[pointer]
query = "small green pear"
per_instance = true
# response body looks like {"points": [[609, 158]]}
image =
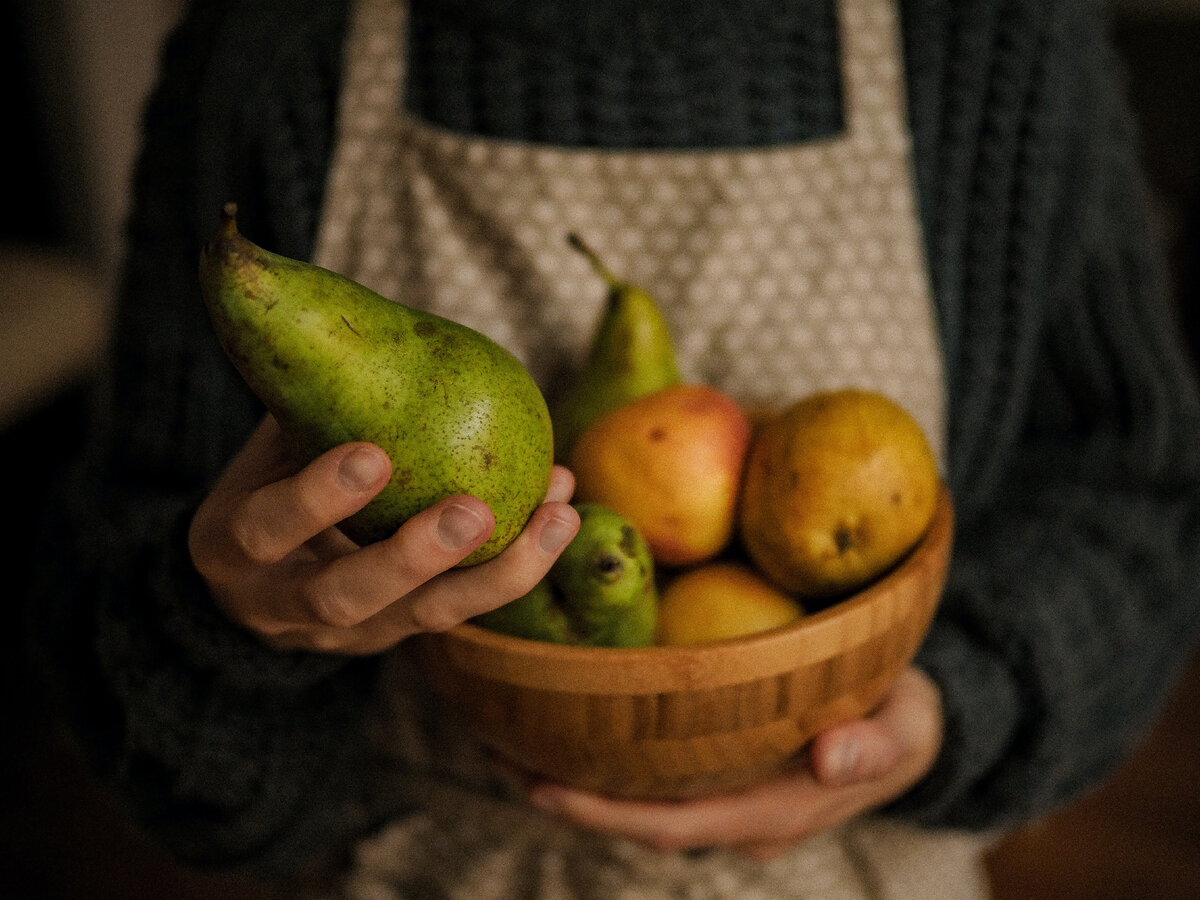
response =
{"points": [[536, 616], [335, 362], [605, 581], [631, 354], [600, 592]]}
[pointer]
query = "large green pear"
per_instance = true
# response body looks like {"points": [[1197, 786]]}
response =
{"points": [[631, 354], [335, 362]]}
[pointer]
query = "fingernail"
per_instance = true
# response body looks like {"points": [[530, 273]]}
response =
{"points": [[556, 534], [459, 526], [842, 760], [360, 469]]}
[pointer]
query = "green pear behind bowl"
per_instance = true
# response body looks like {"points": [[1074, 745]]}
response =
{"points": [[535, 616], [335, 362], [631, 354]]}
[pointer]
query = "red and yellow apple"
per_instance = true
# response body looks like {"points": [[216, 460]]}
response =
{"points": [[671, 462]]}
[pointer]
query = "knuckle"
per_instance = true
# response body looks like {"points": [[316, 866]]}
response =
{"points": [[510, 576], [251, 539], [432, 617], [311, 502], [516, 585], [404, 569], [328, 606], [406, 564], [241, 609]]}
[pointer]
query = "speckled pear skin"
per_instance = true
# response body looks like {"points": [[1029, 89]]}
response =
{"points": [[335, 362]]}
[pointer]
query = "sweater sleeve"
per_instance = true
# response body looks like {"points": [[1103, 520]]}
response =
{"points": [[235, 755], [1071, 600]]}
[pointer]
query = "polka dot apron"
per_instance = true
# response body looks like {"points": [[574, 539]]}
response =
{"points": [[781, 271]]}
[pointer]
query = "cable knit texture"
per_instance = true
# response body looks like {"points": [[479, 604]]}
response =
{"points": [[1073, 417]]}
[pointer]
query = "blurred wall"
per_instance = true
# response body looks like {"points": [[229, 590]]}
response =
{"points": [[91, 63], [81, 69]]}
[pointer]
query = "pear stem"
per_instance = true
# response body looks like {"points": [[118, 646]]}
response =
{"points": [[229, 219], [579, 244]]}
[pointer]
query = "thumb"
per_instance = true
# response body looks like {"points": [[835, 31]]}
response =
{"points": [[853, 753], [905, 728]]}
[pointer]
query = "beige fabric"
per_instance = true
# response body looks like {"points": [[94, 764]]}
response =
{"points": [[781, 271], [451, 851], [466, 839]]}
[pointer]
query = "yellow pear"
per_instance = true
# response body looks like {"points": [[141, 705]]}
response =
{"points": [[720, 600], [837, 489]]}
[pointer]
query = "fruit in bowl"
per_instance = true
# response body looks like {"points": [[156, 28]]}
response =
{"points": [[741, 675], [723, 700], [673, 722]]}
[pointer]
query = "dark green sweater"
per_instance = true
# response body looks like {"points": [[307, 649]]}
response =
{"points": [[1073, 421]]}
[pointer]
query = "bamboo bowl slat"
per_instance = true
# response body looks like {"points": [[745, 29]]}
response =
{"points": [[677, 722]]}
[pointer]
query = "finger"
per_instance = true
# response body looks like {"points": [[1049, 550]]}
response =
{"points": [[562, 485], [463, 593], [357, 586], [275, 519], [453, 596], [902, 735], [897, 745], [443, 598], [850, 754], [739, 819]]}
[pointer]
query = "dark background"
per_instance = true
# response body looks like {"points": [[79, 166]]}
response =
{"points": [[62, 836]]}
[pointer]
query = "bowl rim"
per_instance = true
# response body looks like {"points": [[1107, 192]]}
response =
{"points": [[855, 619]]}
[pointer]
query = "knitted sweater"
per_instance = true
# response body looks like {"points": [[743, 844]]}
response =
{"points": [[1073, 419]]}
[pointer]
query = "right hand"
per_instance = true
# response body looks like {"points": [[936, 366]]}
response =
{"points": [[266, 542]]}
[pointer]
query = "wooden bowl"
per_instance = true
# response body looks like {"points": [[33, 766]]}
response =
{"points": [[678, 722]]}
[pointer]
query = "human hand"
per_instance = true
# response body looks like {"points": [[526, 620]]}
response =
{"points": [[851, 769], [265, 540]]}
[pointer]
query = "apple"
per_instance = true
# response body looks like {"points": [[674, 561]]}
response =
{"points": [[671, 462]]}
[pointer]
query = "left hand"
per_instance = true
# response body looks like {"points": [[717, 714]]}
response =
{"points": [[851, 769]]}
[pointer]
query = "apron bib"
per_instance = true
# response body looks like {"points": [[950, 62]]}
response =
{"points": [[781, 271]]}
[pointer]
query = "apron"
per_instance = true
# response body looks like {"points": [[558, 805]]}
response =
{"points": [[781, 271]]}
